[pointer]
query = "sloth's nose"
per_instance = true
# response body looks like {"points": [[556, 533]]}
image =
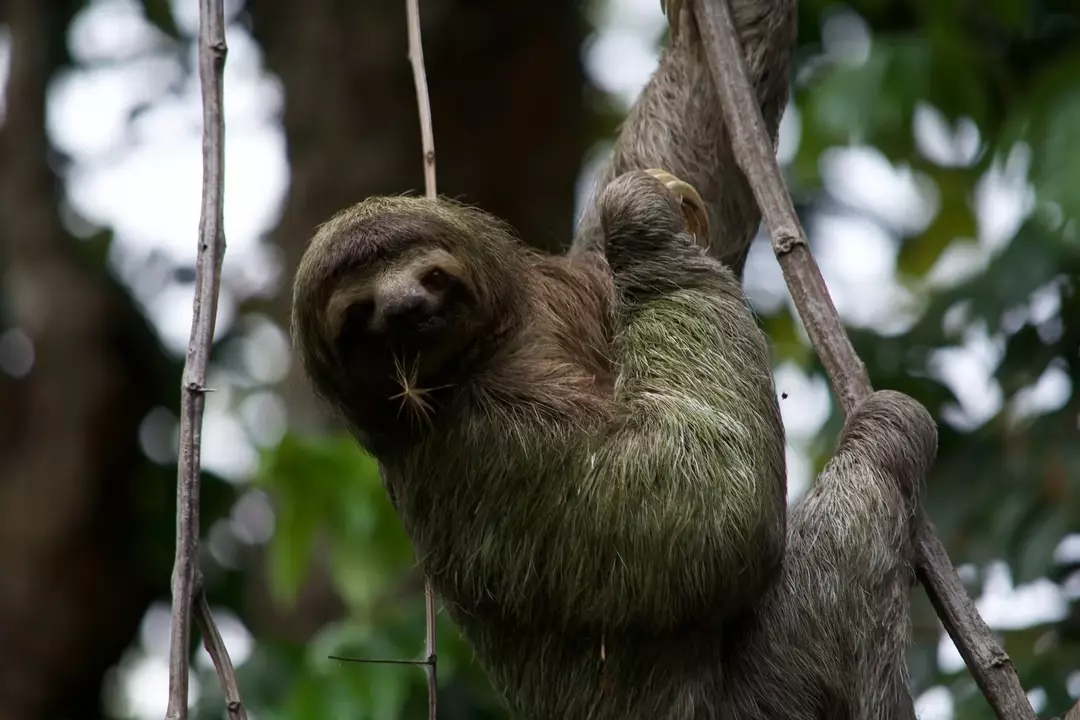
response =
{"points": [[403, 310]]}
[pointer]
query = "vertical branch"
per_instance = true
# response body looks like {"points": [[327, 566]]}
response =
{"points": [[429, 649], [988, 662], [423, 102], [187, 579], [427, 136]]}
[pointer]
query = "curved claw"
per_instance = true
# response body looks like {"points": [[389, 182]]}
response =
{"points": [[672, 9], [693, 207]]}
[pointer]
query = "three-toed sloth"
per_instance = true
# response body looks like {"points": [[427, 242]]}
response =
{"points": [[587, 450]]}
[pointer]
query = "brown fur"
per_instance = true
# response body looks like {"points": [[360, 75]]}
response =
{"points": [[598, 488], [536, 322], [677, 124], [483, 492], [578, 481]]}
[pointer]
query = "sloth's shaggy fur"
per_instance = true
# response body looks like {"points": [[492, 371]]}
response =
{"points": [[596, 482], [599, 493]]}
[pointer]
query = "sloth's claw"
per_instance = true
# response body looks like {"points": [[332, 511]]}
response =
{"points": [[671, 9], [693, 207]]}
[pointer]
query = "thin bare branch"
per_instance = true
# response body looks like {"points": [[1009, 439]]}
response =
{"points": [[991, 667], [211, 250], [215, 647], [431, 658], [427, 136], [423, 101]]}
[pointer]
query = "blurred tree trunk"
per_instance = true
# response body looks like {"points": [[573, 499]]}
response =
{"points": [[507, 93], [71, 595]]}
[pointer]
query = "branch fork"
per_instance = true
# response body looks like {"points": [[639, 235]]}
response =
{"points": [[188, 594]]}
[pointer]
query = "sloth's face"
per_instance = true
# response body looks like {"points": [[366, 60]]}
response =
{"points": [[406, 312]]}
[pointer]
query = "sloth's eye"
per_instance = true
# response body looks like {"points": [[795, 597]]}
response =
{"points": [[437, 280], [358, 317]]}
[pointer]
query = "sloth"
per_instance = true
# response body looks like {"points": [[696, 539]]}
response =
{"points": [[587, 451], [629, 377]]}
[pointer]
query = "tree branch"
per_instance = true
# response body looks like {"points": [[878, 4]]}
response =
{"points": [[990, 666], [423, 101], [215, 647], [186, 580], [427, 135]]}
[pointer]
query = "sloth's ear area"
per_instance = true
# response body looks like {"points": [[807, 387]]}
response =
{"points": [[693, 207]]}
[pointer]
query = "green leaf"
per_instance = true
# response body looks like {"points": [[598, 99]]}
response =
{"points": [[1036, 537], [785, 340], [160, 14], [1026, 359], [873, 101], [290, 549], [954, 221], [328, 487]]}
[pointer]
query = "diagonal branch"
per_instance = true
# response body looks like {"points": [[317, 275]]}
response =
{"points": [[427, 135], [990, 666], [215, 648], [186, 580]]}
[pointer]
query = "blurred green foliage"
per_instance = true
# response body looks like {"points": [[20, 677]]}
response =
{"points": [[327, 489]]}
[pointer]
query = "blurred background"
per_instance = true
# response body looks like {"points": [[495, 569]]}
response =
{"points": [[933, 150]]}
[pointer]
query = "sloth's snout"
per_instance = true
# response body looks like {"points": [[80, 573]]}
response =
{"points": [[406, 310]]}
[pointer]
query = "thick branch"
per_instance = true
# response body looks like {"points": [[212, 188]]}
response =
{"points": [[991, 667], [210, 253], [989, 664], [427, 134]]}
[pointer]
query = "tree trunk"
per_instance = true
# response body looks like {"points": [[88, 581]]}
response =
{"points": [[71, 594]]}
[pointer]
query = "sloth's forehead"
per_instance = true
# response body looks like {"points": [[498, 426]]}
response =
{"points": [[368, 249], [405, 258], [357, 280]]}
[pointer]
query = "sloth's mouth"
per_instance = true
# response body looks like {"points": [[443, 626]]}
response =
{"points": [[422, 335], [433, 324]]}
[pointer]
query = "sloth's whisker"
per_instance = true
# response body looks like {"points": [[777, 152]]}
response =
{"points": [[413, 397]]}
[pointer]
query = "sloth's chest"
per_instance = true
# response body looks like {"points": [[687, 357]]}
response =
{"points": [[495, 465]]}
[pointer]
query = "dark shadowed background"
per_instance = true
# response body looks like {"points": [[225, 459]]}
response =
{"points": [[933, 150]]}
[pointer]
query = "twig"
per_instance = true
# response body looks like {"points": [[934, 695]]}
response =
{"points": [[427, 136], [990, 666], [423, 102], [430, 667], [211, 250], [215, 647], [377, 661]]}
